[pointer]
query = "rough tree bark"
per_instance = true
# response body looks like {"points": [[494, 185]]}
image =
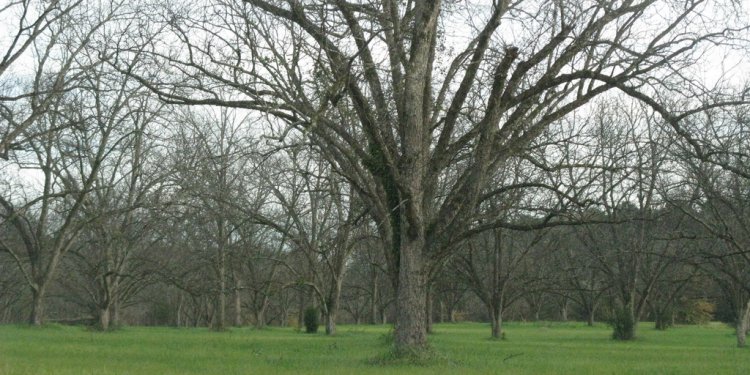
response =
{"points": [[410, 332]]}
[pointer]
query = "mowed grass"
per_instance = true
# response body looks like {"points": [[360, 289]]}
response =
{"points": [[530, 348]]}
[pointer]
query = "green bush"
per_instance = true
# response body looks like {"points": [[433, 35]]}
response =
{"points": [[623, 325], [312, 320]]}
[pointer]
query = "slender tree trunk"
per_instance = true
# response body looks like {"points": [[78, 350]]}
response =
{"points": [[221, 303], [301, 309], [441, 312], [209, 311], [410, 330], [428, 310], [260, 314], [564, 311], [284, 311], [178, 319], [375, 318], [237, 304]]}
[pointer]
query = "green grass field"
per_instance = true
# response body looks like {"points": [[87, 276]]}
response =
{"points": [[531, 348]]}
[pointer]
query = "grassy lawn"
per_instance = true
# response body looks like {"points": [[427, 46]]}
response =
{"points": [[531, 348]]}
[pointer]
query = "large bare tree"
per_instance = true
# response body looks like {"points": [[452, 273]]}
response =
{"points": [[415, 114]]}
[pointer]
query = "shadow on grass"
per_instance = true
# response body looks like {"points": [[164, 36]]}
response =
{"points": [[427, 357]]}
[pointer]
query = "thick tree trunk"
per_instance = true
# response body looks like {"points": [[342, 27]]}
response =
{"points": [[220, 313], [260, 319], [662, 318], [564, 311], [36, 317], [260, 314], [743, 324], [590, 316], [625, 322], [115, 312], [104, 318], [410, 330], [741, 331], [331, 323], [114, 305], [496, 314], [333, 308], [660, 324]]}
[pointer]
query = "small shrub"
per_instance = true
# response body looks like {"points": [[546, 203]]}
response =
{"points": [[460, 316], [699, 311], [293, 321], [623, 325], [312, 320]]}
